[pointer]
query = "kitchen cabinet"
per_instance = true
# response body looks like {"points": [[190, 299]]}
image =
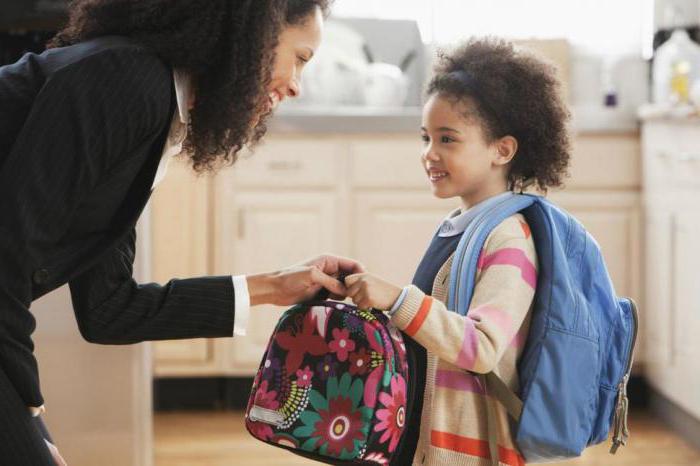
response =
{"points": [[263, 231], [672, 222], [365, 197]]}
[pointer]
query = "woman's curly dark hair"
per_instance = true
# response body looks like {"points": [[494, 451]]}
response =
{"points": [[513, 92], [226, 45]]}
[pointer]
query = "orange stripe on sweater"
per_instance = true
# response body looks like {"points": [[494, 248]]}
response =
{"points": [[420, 316], [526, 228], [474, 447]]}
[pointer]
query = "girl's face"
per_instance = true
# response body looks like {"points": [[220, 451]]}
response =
{"points": [[456, 156], [297, 45]]}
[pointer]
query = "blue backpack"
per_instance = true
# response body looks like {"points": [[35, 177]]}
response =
{"points": [[576, 362]]}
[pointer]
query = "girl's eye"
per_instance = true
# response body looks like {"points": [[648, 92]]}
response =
{"points": [[446, 139], [302, 60]]}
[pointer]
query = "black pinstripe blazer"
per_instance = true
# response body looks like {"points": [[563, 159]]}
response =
{"points": [[82, 129]]}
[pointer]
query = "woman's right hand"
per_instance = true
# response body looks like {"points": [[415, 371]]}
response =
{"points": [[302, 281], [57, 458]]}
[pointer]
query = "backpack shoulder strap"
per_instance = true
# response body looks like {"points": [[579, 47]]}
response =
{"points": [[463, 270]]}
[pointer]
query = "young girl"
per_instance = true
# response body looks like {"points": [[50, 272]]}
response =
{"points": [[494, 123]]}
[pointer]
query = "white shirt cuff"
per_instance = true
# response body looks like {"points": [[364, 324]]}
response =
{"points": [[242, 312], [35, 411]]}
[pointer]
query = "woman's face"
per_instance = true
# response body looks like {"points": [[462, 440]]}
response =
{"points": [[297, 45]]}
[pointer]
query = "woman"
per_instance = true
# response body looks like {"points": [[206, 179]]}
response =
{"points": [[86, 131]]}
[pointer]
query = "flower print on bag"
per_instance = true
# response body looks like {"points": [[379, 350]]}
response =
{"points": [[338, 426], [304, 377], [326, 367], [300, 343], [341, 344], [266, 399], [360, 362], [376, 458], [393, 416]]}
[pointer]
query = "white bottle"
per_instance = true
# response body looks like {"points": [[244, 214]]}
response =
{"points": [[676, 67]]}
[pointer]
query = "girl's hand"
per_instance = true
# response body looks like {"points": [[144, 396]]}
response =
{"points": [[367, 290]]}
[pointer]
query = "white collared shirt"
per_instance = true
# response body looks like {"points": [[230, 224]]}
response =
{"points": [[457, 221]]}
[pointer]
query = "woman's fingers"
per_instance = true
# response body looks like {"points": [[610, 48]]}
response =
{"points": [[349, 265], [328, 282], [334, 265]]}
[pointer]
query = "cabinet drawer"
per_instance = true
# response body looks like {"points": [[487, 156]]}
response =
{"points": [[671, 155], [389, 162], [288, 163], [619, 154]]}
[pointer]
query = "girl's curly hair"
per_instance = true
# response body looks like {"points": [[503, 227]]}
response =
{"points": [[226, 45], [514, 93]]}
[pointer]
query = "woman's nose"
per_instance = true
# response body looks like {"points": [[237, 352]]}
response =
{"points": [[294, 88]]}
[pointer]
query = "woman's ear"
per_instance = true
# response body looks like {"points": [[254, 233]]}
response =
{"points": [[506, 148]]}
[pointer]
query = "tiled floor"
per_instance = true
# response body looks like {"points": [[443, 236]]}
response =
{"points": [[220, 439]]}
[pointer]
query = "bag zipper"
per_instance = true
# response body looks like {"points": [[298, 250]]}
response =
{"points": [[621, 433]]}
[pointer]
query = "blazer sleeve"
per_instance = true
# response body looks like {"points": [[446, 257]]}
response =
{"points": [[86, 118], [111, 308]]}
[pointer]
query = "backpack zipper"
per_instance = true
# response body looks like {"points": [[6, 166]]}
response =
{"points": [[621, 433]]}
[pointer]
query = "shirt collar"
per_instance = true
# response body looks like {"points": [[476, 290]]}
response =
{"points": [[457, 221], [183, 90]]}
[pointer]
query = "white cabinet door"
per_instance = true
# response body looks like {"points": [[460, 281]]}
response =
{"points": [[686, 288], [180, 229], [659, 308], [392, 230], [265, 231]]}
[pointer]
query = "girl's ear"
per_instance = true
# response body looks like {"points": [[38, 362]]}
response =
{"points": [[506, 148]]}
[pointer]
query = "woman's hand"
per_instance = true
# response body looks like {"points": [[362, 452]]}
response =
{"points": [[367, 290], [57, 458], [303, 281]]}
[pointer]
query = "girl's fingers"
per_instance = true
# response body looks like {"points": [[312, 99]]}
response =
{"points": [[354, 289], [350, 279]]}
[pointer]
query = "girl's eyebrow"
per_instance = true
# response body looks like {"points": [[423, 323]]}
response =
{"points": [[444, 129], [448, 129]]}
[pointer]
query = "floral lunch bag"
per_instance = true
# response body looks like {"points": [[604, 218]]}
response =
{"points": [[332, 385]]}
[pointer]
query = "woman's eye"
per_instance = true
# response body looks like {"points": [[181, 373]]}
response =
{"points": [[446, 139], [425, 138]]}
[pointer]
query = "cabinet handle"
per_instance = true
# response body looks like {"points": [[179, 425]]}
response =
{"points": [[241, 223], [688, 157], [284, 165], [672, 316]]}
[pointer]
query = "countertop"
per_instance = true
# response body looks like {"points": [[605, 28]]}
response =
{"points": [[376, 120]]}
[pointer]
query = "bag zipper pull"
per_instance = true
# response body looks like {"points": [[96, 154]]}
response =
{"points": [[620, 421]]}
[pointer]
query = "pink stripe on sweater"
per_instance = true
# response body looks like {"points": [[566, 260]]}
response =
{"points": [[494, 316], [470, 345], [511, 256], [519, 339], [454, 380]]}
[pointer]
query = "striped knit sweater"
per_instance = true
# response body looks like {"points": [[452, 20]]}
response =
{"points": [[490, 338]]}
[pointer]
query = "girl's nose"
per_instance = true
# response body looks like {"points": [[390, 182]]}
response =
{"points": [[429, 153]]}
